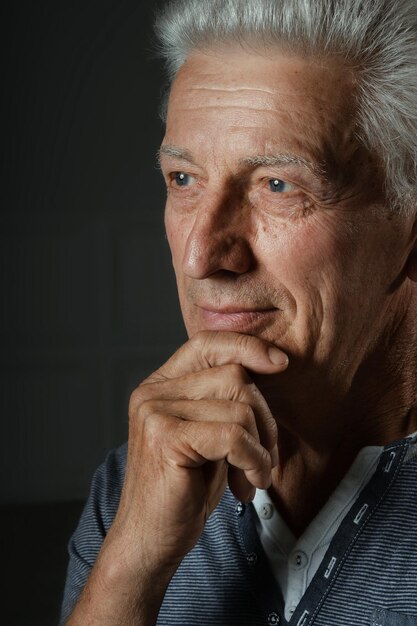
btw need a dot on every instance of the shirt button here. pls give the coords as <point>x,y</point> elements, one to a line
<point>299,559</point>
<point>273,619</point>
<point>252,558</point>
<point>266,511</point>
<point>240,509</point>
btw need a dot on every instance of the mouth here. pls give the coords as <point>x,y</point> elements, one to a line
<point>235,319</point>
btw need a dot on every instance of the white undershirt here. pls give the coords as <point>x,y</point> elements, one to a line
<point>294,562</point>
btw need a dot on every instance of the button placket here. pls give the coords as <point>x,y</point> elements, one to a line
<point>263,582</point>
<point>344,540</point>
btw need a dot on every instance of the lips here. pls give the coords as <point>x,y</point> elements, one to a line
<point>235,318</point>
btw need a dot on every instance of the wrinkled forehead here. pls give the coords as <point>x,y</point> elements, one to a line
<point>242,102</point>
<point>265,77</point>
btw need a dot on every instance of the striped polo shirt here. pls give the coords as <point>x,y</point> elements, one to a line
<point>367,576</point>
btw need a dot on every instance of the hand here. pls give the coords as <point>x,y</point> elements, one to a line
<point>195,424</point>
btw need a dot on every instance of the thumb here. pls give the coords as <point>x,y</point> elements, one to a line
<point>208,349</point>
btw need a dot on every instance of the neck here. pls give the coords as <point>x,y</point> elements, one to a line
<point>321,433</point>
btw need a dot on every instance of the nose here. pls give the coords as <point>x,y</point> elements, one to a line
<point>219,240</point>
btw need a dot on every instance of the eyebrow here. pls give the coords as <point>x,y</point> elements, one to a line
<point>260,160</point>
<point>176,152</point>
<point>266,160</point>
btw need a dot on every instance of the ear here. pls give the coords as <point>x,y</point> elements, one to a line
<point>411,268</point>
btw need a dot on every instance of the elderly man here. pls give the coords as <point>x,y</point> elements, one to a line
<point>271,471</point>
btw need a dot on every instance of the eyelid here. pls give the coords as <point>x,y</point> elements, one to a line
<point>299,178</point>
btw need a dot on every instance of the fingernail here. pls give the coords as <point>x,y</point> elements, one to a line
<point>274,456</point>
<point>277,357</point>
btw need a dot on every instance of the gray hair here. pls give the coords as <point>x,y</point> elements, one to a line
<point>377,38</point>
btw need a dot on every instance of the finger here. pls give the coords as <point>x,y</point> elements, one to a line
<point>239,485</point>
<point>228,382</point>
<point>196,443</point>
<point>206,410</point>
<point>208,349</point>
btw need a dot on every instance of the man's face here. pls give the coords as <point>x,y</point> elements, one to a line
<point>275,214</point>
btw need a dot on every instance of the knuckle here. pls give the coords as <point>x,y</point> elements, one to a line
<point>143,393</point>
<point>245,415</point>
<point>155,377</point>
<point>274,429</point>
<point>154,428</point>
<point>142,404</point>
<point>200,339</point>
<point>154,423</point>
<point>254,393</point>
<point>185,433</point>
<point>244,341</point>
<point>134,403</point>
<point>250,416</point>
<point>237,373</point>
<point>271,426</point>
<point>148,408</point>
<point>249,344</point>
<point>265,458</point>
<point>202,346</point>
<point>237,434</point>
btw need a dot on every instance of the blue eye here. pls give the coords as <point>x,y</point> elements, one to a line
<point>182,179</point>
<point>279,186</point>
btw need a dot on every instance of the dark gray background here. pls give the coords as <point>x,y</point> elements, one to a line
<point>89,301</point>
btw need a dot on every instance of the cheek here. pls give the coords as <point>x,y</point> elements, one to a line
<point>176,233</point>
<point>309,260</point>
<point>337,276</point>
<point>297,250</point>
<point>314,261</point>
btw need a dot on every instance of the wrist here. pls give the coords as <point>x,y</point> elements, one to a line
<point>134,568</point>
